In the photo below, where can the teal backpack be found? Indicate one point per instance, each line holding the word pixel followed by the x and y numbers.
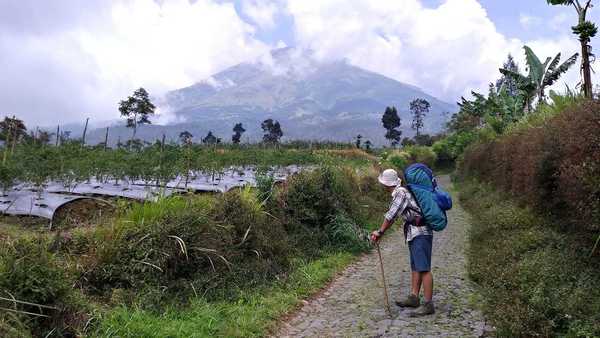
pixel 433 201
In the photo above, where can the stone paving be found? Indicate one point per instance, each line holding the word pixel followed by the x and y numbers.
pixel 353 306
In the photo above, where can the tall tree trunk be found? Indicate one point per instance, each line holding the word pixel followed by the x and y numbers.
pixel 587 73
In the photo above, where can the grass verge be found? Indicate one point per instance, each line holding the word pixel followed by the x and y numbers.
pixel 253 315
pixel 537 279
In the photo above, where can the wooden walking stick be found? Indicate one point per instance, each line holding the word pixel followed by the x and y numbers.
pixel 387 300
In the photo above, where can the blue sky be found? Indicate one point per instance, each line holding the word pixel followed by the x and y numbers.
pixel 66 58
pixel 507 15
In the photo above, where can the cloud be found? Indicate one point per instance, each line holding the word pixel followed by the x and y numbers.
pixel 529 21
pixel 86 61
pixel 65 60
pixel 447 51
pixel 261 12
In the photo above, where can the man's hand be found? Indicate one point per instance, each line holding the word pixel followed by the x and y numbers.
pixel 376 235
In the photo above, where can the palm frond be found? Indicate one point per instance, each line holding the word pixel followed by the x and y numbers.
pixel 552 77
pixel 536 69
pixel 554 63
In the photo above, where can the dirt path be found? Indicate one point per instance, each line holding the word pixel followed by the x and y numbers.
pixel 352 306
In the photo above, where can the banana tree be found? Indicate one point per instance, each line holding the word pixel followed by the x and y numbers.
pixel 585 30
pixel 541 75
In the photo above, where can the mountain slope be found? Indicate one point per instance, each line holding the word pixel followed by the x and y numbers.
pixel 311 99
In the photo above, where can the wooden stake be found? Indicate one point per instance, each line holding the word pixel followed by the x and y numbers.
pixel 106 139
pixel 84 132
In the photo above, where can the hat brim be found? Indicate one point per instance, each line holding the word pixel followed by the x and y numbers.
pixel 389 183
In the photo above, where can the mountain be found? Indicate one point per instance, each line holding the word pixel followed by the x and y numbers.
pixel 311 99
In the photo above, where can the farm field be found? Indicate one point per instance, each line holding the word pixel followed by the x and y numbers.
pixel 184 259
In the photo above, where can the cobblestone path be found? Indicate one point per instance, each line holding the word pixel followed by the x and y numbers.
pixel 352 305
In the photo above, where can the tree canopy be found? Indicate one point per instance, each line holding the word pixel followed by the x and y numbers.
pixel 137 109
pixel 272 131
pixel 238 130
pixel 391 121
pixel 419 108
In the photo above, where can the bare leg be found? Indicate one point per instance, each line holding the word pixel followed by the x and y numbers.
pixel 415 283
pixel 427 279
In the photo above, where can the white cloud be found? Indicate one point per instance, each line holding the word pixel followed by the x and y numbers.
pixel 65 60
pixel 562 21
pixel 261 12
pixel 84 69
pixel 447 51
pixel 529 21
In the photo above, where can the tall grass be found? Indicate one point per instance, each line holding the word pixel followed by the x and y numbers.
pixel 536 280
pixel 254 314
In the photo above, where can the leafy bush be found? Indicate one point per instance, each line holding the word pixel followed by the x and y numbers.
pixel 409 155
pixel 554 166
pixel 29 273
pixel 536 280
pixel 226 242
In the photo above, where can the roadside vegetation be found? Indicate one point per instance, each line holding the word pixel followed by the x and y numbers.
pixel 528 169
pixel 216 265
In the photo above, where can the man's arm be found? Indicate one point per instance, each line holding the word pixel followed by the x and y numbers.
pixel 376 235
pixel 399 203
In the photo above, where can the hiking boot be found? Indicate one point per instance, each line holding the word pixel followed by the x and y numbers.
pixel 409 301
pixel 423 310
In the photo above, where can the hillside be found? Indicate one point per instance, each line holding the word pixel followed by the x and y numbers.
pixel 312 100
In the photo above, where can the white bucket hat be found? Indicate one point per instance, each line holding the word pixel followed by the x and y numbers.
pixel 389 177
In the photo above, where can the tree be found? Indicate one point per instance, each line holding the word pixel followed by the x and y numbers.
pixel 541 75
pixel 419 108
pixel 272 130
pixel 407 142
pixel 391 121
pixel 508 82
pixel 185 137
pixel 12 130
pixel 43 137
pixel 137 109
pixel 585 30
pixel 368 145
pixel 424 140
pixel 238 130
pixel 210 138
pixel 358 140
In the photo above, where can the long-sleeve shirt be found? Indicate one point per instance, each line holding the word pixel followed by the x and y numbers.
pixel 404 205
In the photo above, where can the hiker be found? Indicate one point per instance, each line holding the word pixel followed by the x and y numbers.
pixel 419 237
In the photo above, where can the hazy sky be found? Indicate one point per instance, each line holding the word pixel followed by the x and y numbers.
pixel 65 60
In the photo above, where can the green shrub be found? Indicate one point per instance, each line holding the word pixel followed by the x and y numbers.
pixel 400 161
pixel 554 167
pixel 217 244
pixel 535 280
pixel 344 233
pixel 29 273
